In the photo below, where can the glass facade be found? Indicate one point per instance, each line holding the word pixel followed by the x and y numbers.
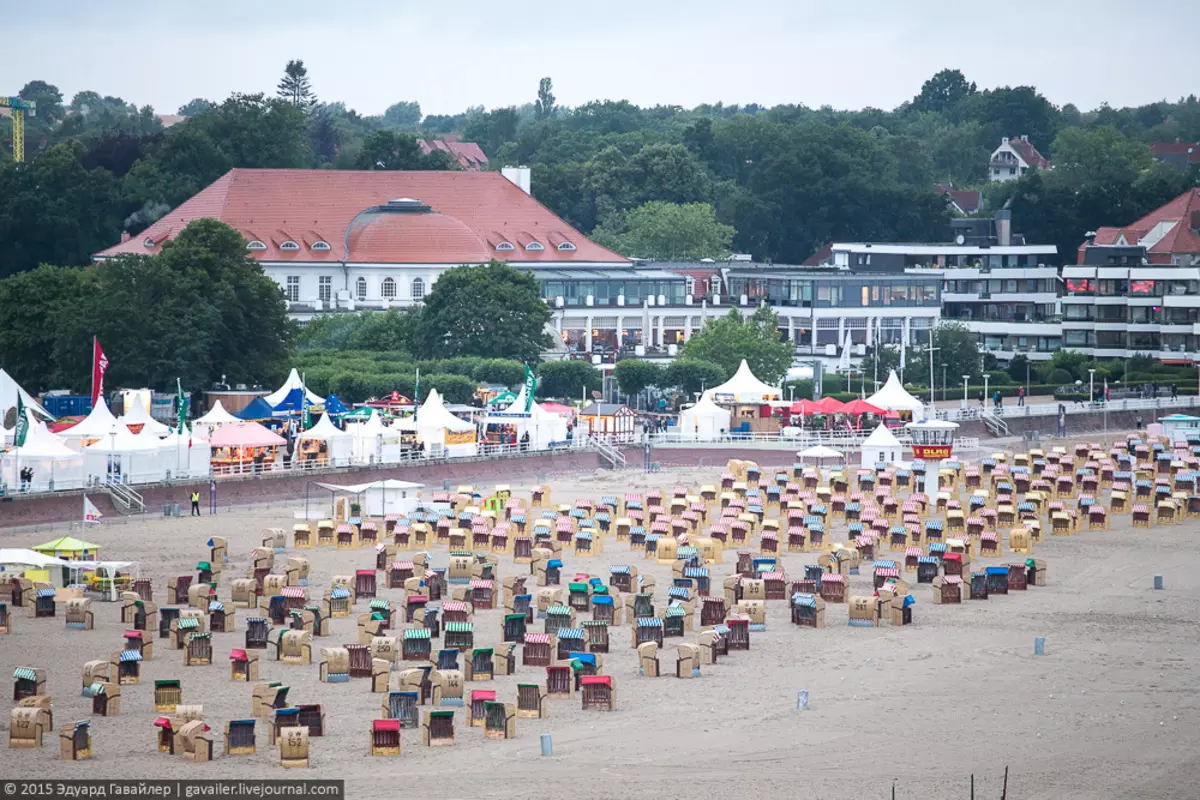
pixel 828 292
pixel 605 290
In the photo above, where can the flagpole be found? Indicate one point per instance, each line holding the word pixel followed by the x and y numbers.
pixel 95 344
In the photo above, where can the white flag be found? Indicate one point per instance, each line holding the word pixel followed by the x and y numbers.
pixel 844 361
pixel 90 512
pixel 902 352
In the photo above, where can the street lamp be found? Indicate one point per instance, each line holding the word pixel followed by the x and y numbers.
pixel 986 377
pixel 1091 385
pixel 966 380
pixel 944 382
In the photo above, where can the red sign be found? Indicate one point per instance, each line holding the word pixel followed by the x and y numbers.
pixel 932 452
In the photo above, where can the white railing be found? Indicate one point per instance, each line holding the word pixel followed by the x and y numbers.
pixel 124 497
pixel 608 451
pixel 838 440
pixel 1013 411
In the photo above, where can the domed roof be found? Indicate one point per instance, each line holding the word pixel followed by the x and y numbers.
pixel 408 232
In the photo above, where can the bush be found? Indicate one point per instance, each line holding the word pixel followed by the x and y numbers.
pixel 567 379
pixel 1060 377
pixel 692 377
pixel 351 387
pixel 999 379
pixel 452 388
pixel 634 374
pixel 502 371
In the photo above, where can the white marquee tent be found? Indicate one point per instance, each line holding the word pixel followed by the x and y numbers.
pixel 293 382
pixel 216 417
pixel 100 422
pixel 743 387
pixel 373 442
pixel 544 427
pixel 378 498
pixel 10 390
pixel 339 445
pixel 437 428
pixel 894 397
pixel 137 414
pixel 704 422
pixel 125 457
pixel 881 447
pixel 54 464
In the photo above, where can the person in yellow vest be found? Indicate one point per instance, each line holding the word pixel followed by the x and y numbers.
pixel 195 504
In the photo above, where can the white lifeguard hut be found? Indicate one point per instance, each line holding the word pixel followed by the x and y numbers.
pixel 881 448
pixel 932 442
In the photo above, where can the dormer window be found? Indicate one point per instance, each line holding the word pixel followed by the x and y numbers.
pixel 256 245
pixel 148 242
pixel 506 247
pixel 289 245
pixel 320 246
pixel 534 247
pixel 566 247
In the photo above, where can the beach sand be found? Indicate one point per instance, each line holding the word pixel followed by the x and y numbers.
pixel 1111 711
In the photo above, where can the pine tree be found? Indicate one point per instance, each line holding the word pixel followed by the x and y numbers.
pixel 544 107
pixel 295 87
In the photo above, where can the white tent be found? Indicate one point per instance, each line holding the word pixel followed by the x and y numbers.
pixel 339 445
pixel 378 498
pixel 125 457
pixel 881 447
pixel 442 432
pixel 293 382
pixel 55 466
pixel 216 417
pixel 743 387
pixel 10 390
pixel 704 422
pixel 100 422
pixel 373 442
pixel 137 414
pixel 184 460
pixel 821 456
pixel 544 427
pixel 894 397
pixel 23 557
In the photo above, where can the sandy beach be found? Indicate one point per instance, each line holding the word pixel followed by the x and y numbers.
pixel 1111 711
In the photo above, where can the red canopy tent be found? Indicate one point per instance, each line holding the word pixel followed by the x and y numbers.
pixel 805 408
pixel 831 405
pixel 856 408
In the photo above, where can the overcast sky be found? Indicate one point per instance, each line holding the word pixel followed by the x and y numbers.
pixel 447 56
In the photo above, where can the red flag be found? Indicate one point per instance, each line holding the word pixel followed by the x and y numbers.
pixel 99 367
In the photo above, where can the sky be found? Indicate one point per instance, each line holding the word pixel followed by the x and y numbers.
pixel 448 56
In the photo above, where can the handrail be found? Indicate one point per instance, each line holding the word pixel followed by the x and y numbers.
pixel 124 497
pixel 608 452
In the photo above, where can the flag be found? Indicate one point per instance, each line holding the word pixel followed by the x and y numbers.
pixel 305 411
pixel 90 512
pixel 903 351
pixel 22 425
pixel 417 395
pixel 844 361
pixel 181 406
pixel 530 387
pixel 99 367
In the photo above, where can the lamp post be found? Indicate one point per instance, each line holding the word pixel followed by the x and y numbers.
pixel 1091 385
pixel 944 381
pixel 966 380
pixel 986 377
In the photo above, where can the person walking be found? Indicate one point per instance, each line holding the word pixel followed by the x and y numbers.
pixel 195 504
pixel 1020 395
pixel 1174 392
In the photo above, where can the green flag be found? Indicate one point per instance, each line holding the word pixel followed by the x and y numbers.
pixel 181 406
pixel 22 427
pixel 306 413
pixel 530 387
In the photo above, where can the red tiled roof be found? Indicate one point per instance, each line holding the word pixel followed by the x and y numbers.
pixel 822 256
pixel 473 213
pixel 1184 211
pixel 1189 149
pixel 1029 153
pixel 469 155
pixel 969 202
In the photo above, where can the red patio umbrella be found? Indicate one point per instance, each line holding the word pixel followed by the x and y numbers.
pixel 856 408
pixel 831 405
pixel 805 408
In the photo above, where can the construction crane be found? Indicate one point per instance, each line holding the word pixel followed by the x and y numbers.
pixel 19 107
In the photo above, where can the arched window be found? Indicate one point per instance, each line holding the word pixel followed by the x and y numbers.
pixel 388 289
pixel 418 289
pixel 360 288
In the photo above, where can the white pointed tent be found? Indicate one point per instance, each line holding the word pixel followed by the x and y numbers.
pixel 704 422
pixel 377 498
pixel 217 415
pixel 339 445
pixel 293 382
pixel 124 456
pixel 137 414
pixel 184 461
pixel 544 427
pixel 441 432
pixel 52 461
pixel 10 390
pixel 881 447
pixel 373 442
pixel 743 387
pixel 100 422
pixel 894 397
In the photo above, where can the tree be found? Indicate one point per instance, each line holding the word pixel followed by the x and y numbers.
pixel 955 346
pixel 729 339
pixel 295 87
pixel 692 377
pixel 635 375
pixel 195 106
pixel 943 91
pixel 53 210
pixel 389 150
pixel 882 359
pixel 48 98
pixel 567 379
pixel 544 107
pixel 667 231
pixel 502 371
pixel 492 311
pixel 492 129
pixel 405 114
pixel 1101 156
